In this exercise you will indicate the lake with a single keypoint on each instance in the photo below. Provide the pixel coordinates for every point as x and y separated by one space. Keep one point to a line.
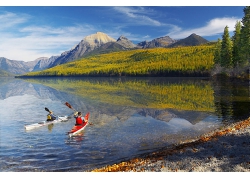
129 116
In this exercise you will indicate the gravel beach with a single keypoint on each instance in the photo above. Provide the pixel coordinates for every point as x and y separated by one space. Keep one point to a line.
224 150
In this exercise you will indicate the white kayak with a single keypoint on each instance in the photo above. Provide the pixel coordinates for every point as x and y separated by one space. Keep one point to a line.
45 123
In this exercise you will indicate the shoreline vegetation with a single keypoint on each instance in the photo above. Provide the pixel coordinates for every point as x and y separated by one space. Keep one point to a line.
189 61
223 150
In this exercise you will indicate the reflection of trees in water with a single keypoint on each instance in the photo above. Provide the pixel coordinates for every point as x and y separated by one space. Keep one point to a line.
161 93
231 99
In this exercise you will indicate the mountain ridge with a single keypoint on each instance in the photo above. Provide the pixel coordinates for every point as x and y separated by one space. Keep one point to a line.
87 44
157 42
93 44
192 40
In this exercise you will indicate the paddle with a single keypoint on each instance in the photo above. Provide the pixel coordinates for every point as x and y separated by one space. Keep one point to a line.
46 109
68 105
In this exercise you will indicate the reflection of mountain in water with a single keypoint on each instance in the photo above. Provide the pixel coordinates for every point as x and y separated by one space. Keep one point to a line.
100 112
166 115
19 87
157 114
120 98
16 87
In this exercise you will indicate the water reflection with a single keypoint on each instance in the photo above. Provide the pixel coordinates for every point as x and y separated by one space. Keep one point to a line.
232 99
75 141
161 98
183 94
50 127
124 96
130 116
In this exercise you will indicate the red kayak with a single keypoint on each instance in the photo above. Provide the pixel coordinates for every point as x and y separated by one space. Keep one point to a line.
76 129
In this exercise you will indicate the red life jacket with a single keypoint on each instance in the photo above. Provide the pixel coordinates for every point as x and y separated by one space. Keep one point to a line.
79 120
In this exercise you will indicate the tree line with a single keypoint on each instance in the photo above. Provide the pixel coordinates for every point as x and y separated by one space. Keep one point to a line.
232 54
180 61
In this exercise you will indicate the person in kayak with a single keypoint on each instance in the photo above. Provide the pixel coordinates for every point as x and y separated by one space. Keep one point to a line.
51 116
79 119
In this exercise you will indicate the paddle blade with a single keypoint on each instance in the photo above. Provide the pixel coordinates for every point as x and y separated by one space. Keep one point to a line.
46 109
67 104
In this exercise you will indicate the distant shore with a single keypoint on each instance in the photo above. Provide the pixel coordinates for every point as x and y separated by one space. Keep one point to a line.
224 150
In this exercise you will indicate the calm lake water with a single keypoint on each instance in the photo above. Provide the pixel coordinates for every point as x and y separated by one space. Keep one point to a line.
130 116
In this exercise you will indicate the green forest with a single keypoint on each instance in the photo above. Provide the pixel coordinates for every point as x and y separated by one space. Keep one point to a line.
181 61
232 54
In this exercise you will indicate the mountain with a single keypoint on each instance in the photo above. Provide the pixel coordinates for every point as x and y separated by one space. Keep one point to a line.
31 64
21 67
158 42
13 66
123 41
106 48
5 73
192 40
98 43
88 44
44 63
121 44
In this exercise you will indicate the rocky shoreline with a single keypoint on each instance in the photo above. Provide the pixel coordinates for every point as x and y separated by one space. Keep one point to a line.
224 150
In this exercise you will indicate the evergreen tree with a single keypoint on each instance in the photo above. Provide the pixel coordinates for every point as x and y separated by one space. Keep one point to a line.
217 52
236 44
226 49
245 36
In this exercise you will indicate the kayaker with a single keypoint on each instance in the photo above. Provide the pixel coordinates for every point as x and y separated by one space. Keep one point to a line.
79 119
51 116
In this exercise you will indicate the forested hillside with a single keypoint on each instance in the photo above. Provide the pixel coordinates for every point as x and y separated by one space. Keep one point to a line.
180 61
232 54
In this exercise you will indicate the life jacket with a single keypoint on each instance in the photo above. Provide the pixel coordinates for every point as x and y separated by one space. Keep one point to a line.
49 117
79 120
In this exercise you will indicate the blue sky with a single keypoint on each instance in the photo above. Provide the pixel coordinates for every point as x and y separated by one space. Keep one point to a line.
42 30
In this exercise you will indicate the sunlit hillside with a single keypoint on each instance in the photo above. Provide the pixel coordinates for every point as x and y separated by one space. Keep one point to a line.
184 61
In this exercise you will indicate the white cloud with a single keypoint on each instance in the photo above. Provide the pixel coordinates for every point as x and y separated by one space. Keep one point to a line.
142 16
137 16
213 27
9 19
23 41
